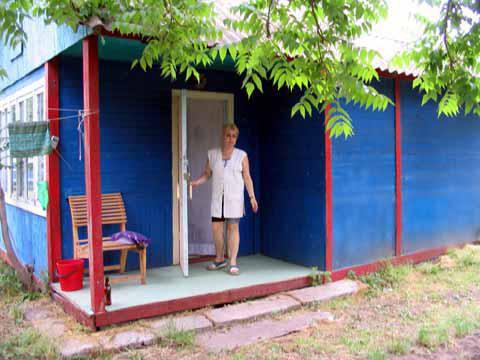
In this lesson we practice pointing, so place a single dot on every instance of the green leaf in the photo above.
(233, 52)
(257, 82)
(250, 88)
(223, 53)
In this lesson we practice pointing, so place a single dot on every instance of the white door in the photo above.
(205, 119)
(200, 119)
(183, 175)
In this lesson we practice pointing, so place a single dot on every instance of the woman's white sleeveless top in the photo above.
(227, 181)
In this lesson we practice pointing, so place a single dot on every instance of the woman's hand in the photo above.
(254, 204)
(195, 183)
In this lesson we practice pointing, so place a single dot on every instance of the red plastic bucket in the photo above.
(70, 274)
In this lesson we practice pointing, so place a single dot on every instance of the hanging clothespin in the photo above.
(81, 119)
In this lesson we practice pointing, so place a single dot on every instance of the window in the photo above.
(3, 134)
(40, 117)
(19, 180)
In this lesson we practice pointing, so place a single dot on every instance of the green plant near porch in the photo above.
(319, 277)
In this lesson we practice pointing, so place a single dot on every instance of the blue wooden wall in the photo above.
(136, 153)
(44, 42)
(440, 172)
(293, 183)
(135, 131)
(28, 231)
(363, 175)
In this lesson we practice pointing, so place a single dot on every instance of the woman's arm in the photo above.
(207, 173)
(249, 183)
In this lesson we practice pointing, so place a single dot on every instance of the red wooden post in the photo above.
(54, 234)
(328, 197)
(398, 170)
(92, 170)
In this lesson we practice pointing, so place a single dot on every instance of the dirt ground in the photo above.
(426, 311)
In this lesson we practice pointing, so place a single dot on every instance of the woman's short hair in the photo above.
(231, 126)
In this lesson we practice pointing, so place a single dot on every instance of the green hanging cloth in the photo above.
(42, 193)
(29, 139)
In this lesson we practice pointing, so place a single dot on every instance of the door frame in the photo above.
(191, 94)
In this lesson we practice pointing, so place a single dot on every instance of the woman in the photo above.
(230, 172)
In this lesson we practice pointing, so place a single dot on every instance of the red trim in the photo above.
(195, 302)
(398, 170)
(54, 229)
(404, 259)
(395, 75)
(76, 312)
(92, 171)
(328, 198)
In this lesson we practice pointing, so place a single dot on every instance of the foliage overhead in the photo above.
(12, 15)
(448, 57)
(308, 47)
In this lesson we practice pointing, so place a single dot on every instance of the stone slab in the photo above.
(74, 348)
(51, 327)
(245, 334)
(325, 292)
(251, 309)
(128, 339)
(37, 313)
(184, 323)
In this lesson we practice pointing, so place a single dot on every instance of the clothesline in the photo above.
(80, 115)
(58, 119)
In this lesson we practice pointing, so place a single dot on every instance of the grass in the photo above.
(387, 277)
(28, 344)
(428, 306)
(179, 338)
(17, 313)
(399, 347)
(19, 341)
(432, 336)
(10, 287)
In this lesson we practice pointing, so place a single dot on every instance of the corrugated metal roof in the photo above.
(389, 37)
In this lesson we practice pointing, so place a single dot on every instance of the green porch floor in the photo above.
(168, 283)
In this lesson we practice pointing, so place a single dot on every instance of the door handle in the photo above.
(190, 190)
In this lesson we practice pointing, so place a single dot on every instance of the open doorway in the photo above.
(197, 122)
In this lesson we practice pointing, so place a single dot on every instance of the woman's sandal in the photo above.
(234, 270)
(216, 265)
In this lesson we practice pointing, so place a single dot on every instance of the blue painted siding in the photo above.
(35, 75)
(29, 231)
(293, 183)
(29, 237)
(44, 42)
(136, 156)
(440, 168)
(363, 175)
(135, 152)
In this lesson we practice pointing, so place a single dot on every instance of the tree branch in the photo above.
(267, 26)
(317, 24)
(445, 32)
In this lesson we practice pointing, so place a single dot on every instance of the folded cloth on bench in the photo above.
(131, 237)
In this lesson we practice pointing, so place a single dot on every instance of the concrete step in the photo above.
(251, 309)
(245, 334)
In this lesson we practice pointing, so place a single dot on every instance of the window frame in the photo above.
(28, 93)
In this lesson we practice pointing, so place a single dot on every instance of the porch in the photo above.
(134, 132)
(167, 290)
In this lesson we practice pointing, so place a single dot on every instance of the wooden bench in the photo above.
(113, 213)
